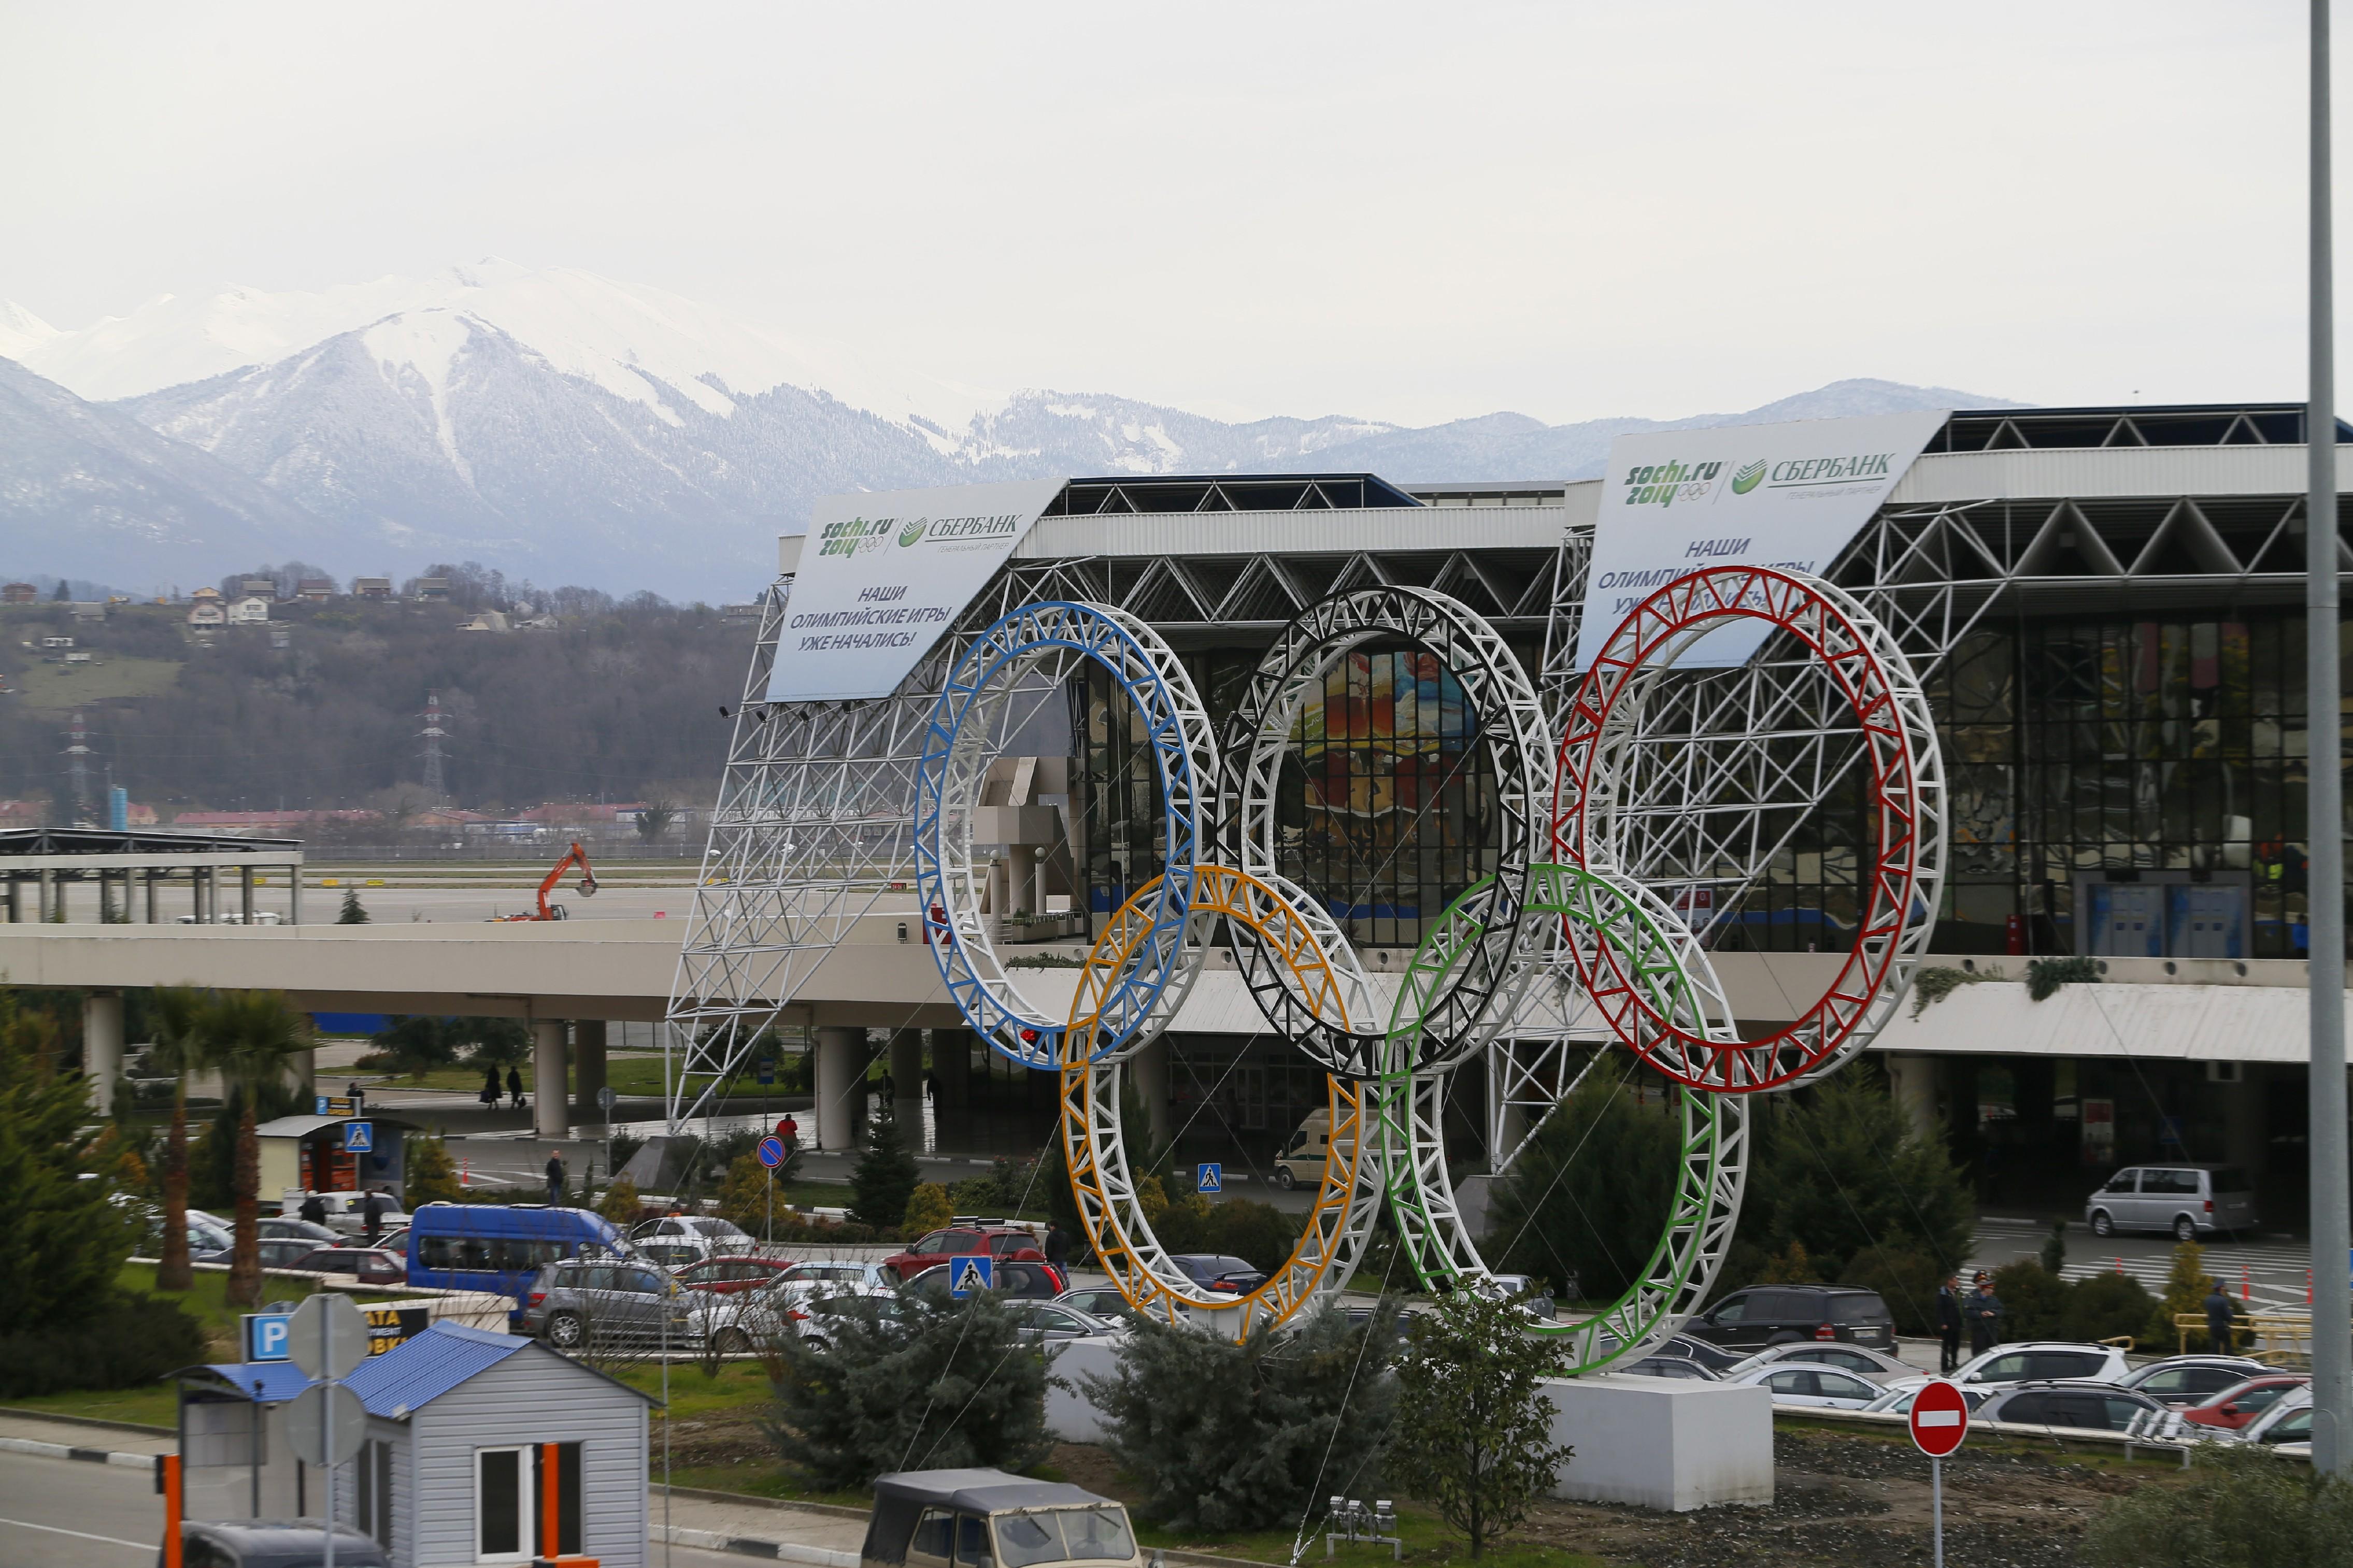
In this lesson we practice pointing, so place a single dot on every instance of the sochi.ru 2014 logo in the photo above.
(913, 531)
(1744, 480)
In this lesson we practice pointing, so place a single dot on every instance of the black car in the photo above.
(270, 1543)
(1766, 1315)
(1676, 1366)
(1225, 1275)
(1714, 1357)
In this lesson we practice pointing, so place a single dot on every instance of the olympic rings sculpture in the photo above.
(1904, 787)
(1509, 732)
(1141, 999)
(1534, 921)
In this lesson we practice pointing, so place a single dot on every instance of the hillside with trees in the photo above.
(618, 702)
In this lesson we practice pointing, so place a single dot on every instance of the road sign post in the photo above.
(976, 1271)
(1940, 1420)
(1208, 1177)
(328, 1338)
(771, 1154)
(359, 1138)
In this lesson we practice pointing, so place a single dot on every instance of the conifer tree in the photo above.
(885, 1177)
(355, 912)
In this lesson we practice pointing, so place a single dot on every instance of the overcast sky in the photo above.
(1411, 213)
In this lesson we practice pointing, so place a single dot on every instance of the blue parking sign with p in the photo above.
(266, 1335)
(1209, 1177)
(359, 1136)
(966, 1275)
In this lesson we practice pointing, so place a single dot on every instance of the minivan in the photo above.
(2189, 1200)
(499, 1246)
(1301, 1160)
(1766, 1315)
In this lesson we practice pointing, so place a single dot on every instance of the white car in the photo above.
(1801, 1383)
(2036, 1360)
(345, 1212)
(1899, 1400)
(1874, 1366)
(2289, 1421)
(2181, 1381)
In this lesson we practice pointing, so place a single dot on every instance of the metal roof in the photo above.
(268, 1382)
(107, 841)
(419, 1369)
(2181, 1023)
(304, 1126)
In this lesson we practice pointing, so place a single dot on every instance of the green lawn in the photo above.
(56, 687)
(208, 1299)
(151, 1404)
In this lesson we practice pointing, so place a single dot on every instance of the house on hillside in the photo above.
(371, 588)
(207, 615)
(486, 620)
(19, 594)
(257, 588)
(87, 609)
(739, 612)
(253, 610)
(432, 590)
(316, 590)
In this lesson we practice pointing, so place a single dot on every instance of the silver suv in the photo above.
(2187, 1200)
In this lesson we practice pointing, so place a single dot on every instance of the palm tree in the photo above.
(175, 1013)
(248, 1036)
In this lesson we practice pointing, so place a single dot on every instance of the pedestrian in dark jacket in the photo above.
(372, 1209)
(489, 1095)
(314, 1209)
(1984, 1312)
(1948, 1322)
(556, 1178)
(514, 1087)
(2218, 1313)
(1058, 1246)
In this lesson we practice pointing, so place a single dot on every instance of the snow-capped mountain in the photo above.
(569, 429)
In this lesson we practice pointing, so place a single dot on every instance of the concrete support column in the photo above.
(15, 902)
(907, 1083)
(147, 880)
(952, 1065)
(1021, 880)
(49, 890)
(102, 1047)
(587, 1067)
(548, 1110)
(841, 1082)
(1037, 879)
(294, 897)
(1148, 1069)
(1912, 1083)
(245, 890)
(2244, 1143)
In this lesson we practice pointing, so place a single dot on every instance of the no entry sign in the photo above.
(1940, 1419)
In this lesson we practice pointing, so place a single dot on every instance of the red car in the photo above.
(727, 1275)
(2234, 1408)
(1008, 1241)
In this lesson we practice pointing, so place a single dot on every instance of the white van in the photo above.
(1301, 1160)
(2189, 1200)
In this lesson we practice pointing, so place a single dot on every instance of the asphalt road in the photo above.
(62, 1513)
(2273, 1268)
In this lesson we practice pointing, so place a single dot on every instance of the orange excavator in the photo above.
(587, 886)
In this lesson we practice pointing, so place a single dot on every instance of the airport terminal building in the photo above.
(2105, 606)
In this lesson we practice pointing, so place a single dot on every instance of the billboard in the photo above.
(882, 573)
(1790, 496)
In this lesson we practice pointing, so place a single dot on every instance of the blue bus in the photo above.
(499, 1246)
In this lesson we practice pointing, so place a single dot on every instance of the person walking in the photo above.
(1948, 1323)
(314, 1209)
(2219, 1312)
(1985, 1316)
(514, 1086)
(489, 1095)
(1058, 1247)
(790, 1130)
(556, 1177)
(372, 1212)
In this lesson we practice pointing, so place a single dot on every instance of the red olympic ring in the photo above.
(1663, 623)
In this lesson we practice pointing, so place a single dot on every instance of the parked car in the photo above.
(926, 1519)
(677, 1252)
(2289, 1420)
(2088, 1405)
(1715, 1358)
(286, 1227)
(368, 1265)
(272, 1543)
(2237, 1407)
(831, 1271)
(815, 1320)
(1899, 1400)
(394, 1241)
(1766, 1315)
(1798, 1383)
(1530, 1293)
(500, 1247)
(1102, 1301)
(285, 1252)
(729, 1236)
(574, 1304)
(209, 1240)
(1001, 1241)
(1041, 1282)
(345, 1212)
(1047, 1322)
(2182, 1380)
(1220, 1273)
(1676, 1366)
(726, 1276)
(2038, 1361)
(2189, 1200)
(1869, 1364)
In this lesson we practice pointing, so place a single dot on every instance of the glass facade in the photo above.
(2128, 785)
(1385, 807)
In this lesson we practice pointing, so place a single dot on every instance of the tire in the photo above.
(2184, 1228)
(732, 1342)
(565, 1330)
(2101, 1224)
(1284, 1179)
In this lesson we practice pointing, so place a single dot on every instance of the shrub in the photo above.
(1474, 1434)
(431, 1174)
(2186, 1286)
(928, 1210)
(1790, 1266)
(747, 1195)
(1842, 1171)
(1259, 1232)
(1245, 1436)
(620, 1203)
(2033, 1303)
(2107, 1307)
(2044, 976)
(118, 1343)
(945, 1384)
(974, 1194)
(1590, 1193)
(1906, 1282)
(2235, 1509)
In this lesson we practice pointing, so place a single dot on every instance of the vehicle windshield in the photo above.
(1064, 1534)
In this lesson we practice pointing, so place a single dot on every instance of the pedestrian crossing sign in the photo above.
(1209, 1177)
(359, 1138)
(966, 1275)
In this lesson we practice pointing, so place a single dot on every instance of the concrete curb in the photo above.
(752, 1546)
(21, 1414)
(92, 1456)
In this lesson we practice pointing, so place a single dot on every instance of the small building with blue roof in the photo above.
(449, 1469)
